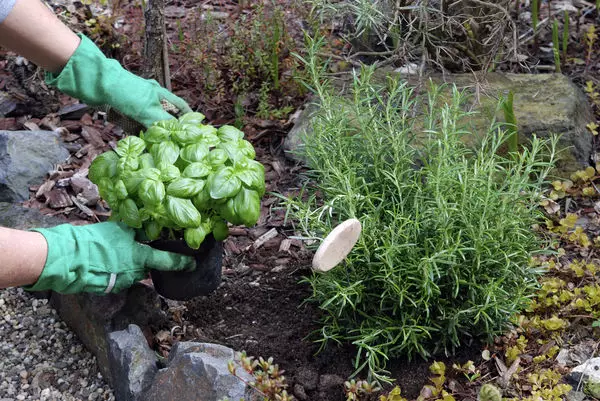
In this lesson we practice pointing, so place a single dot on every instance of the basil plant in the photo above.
(182, 176)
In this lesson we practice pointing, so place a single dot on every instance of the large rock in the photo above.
(94, 317)
(198, 371)
(133, 364)
(21, 218)
(544, 104)
(25, 158)
(585, 378)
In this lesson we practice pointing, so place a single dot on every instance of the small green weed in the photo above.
(267, 379)
(246, 56)
(555, 46)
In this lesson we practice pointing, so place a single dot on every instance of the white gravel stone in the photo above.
(41, 358)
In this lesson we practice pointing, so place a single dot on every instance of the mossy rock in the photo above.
(544, 104)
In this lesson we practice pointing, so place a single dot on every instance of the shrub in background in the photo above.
(447, 229)
(457, 35)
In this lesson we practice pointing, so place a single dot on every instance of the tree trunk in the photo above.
(156, 58)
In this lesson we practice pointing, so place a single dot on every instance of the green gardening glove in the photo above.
(97, 80)
(100, 258)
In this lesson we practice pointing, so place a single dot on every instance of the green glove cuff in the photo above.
(99, 258)
(97, 80)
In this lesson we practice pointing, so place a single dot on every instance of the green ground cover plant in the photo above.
(447, 239)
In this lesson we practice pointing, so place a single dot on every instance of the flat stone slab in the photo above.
(544, 104)
(25, 159)
(199, 371)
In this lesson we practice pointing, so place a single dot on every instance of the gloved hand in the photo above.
(100, 258)
(97, 80)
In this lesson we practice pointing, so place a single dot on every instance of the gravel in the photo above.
(41, 359)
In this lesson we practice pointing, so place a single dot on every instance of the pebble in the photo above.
(41, 358)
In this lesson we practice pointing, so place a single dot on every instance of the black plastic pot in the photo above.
(183, 285)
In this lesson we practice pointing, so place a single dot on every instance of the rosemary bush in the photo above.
(444, 256)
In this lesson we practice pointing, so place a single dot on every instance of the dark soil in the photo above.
(264, 315)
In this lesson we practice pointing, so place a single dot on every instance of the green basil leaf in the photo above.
(223, 183)
(229, 133)
(128, 163)
(157, 134)
(202, 199)
(205, 134)
(185, 187)
(106, 190)
(208, 136)
(165, 152)
(220, 230)
(233, 152)
(114, 214)
(217, 157)
(151, 192)
(246, 149)
(153, 230)
(120, 190)
(247, 206)
(158, 213)
(195, 236)
(146, 161)
(168, 172)
(182, 212)
(192, 118)
(195, 152)
(197, 170)
(170, 124)
(227, 211)
(130, 146)
(103, 166)
(130, 214)
(132, 180)
(150, 173)
(252, 174)
(186, 135)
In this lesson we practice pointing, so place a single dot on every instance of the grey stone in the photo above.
(299, 392)
(198, 371)
(308, 378)
(575, 396)
(94, 317)
(331, 387)
(73, 111)
(544, 104)
(8, 104)
(133, 364)
(585, 379)
(295, 139)
(590, 369)
(25, 159)
(22, 218)
(330, 381)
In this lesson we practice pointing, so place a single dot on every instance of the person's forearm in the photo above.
(22, 257)
(33, 31)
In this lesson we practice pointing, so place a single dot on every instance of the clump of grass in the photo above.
(511, 123)
(555, 46)
(447, 239)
